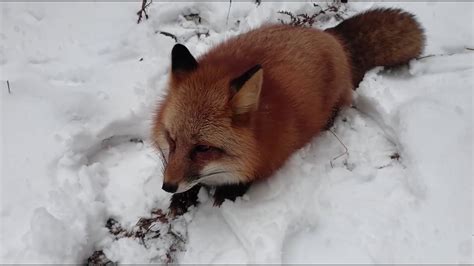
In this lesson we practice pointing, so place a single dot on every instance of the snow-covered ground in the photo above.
(85, 79)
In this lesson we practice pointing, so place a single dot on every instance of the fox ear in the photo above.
(247, 89)
(182, 61)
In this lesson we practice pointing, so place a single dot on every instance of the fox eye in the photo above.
(202, 148)
(205, 153)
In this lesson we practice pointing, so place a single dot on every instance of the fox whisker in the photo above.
(163, 157)
(207, 175)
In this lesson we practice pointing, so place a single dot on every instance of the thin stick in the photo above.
(448, 54)
(8, 86)
(346, 150)
(142, 11)
(228, 13)
(169, 35)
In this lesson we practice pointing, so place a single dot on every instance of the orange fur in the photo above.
(305, 75)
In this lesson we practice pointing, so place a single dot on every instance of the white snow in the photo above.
(80, 92)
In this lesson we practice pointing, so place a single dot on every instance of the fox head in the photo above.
(204, 127)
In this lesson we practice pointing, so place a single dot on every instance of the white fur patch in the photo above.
(224, 175)
(185, 186)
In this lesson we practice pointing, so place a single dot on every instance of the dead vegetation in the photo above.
(158, 227)
(335, 9)
(142, 10)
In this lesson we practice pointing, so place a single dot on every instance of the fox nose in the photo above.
(169, 187)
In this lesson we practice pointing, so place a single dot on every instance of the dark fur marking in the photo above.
(182, 60)
(230, 192)
(237, 83)
(332, 118)
(180, 202)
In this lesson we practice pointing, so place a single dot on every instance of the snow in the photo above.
(80, 93)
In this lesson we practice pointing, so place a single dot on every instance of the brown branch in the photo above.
(142, 11)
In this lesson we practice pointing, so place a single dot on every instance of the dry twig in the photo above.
(142, 11)
(228, 12)
(169, 35)
(346, 150)
(8, 86)
(305, 20)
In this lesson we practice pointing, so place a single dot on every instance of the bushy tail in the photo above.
(379, 37)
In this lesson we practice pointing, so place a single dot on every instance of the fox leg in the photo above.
(230, 192)
(180, 202)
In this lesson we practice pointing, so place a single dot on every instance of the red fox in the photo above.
(236, 114)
